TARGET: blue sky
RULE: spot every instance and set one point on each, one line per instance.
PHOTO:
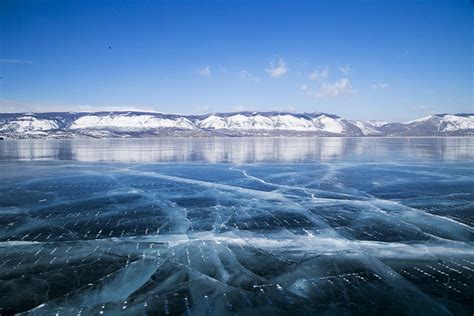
(390, 60)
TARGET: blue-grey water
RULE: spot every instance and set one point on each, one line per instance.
(257, 226)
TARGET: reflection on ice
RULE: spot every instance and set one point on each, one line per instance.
(238, 150)
(355, 235)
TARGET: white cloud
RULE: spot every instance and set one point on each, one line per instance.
(15, 61)
(277, 68)
(204, 72)
(319, 74)
(340, 87)
(346, 70)
(380, 86)
(327, 89)
(245, 75)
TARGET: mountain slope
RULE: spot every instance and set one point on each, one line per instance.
(433, 125)
(151, 124)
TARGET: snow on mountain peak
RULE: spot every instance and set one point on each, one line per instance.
(274, 121)
(136, 124)
(129, 122)
(213, 121)
(28, 124)
(421, 119)
(329, 124)
(291, 122)
(446, 122)
(455, 122)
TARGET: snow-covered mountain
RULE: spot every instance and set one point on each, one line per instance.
(151, 124)
(433, 125)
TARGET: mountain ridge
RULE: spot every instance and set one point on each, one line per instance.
(108, 124)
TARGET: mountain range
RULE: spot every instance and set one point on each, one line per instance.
(153, 124)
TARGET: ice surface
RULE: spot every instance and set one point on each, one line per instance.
(333, 233)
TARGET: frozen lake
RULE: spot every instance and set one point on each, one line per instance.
(263, 226)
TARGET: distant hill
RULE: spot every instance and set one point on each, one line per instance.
(152, 124)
